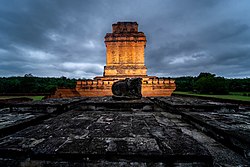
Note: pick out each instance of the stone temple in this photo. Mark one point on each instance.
(124, 59)
(164, 131)
(125, 51)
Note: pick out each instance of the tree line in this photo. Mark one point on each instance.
(206, 83)
(31, 84)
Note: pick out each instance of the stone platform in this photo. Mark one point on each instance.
(102, 132)
(228, 127)
(19, 115)
(92, 137)
(101, 86)
(108, 104)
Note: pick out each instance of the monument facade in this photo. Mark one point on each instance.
(125, 51)
(124, 59)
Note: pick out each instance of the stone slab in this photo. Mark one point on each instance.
(131, 136)
(190, 103)
(230, 128)
(109, 136)
(108, 103)
(12, 122)
(47, 105)
(225, 122)
(16, 116)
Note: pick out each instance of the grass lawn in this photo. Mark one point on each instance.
(35, 98)
(232, 96)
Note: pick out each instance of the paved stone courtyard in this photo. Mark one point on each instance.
(103, 132)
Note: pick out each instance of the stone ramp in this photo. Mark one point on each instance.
(103, 137)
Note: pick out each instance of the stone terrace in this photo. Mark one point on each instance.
(146, 132)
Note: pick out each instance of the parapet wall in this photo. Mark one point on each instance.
(102, 87)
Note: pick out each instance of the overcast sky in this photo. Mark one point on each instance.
(66, 37)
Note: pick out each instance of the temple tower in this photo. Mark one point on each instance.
(124, 59)
(125, 51)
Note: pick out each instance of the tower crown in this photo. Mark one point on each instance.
(125, 27)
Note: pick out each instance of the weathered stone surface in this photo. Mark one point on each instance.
(130, 88)
(13, 121)
(125, 51)
(5, 102)
(109, 104)
(230, 128)
(226, 122)
(112, 136)
(132, 136)
(190, 103)
(16, 116)
(222, 155)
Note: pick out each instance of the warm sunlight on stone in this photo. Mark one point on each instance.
(125, 51)
(124, 59)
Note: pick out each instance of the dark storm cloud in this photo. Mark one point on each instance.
(61, 37)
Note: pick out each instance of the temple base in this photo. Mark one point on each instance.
(101, 86)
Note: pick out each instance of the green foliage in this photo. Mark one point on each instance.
(205, 83)
(210, 84)
(239, 85)
(230, 96)
(185, 83)
(31, 84)
(34, 98)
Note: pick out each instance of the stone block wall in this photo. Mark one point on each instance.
(65, 93)
(125, 50)
(150, 87)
